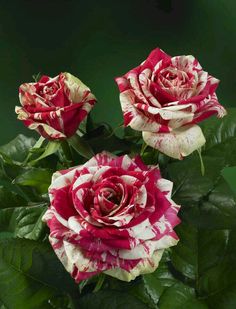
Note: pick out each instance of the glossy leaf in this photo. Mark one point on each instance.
(104, 138)
(10, 199)
(206, 252)
(51, 148)
(107, 299)
(207, 201)
(23, 222)
(38, 178)
(81, 146)
(180, 296)
(17, 149)
(229, 174)
(30, 274)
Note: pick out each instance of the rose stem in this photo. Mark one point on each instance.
(99, 284)
(67, 152)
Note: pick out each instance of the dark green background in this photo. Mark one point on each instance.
(98, 40)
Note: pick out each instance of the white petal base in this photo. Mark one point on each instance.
(146, 266)
(177, 144)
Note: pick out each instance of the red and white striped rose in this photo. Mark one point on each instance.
(165, 97)
(55, 106)
(113, 215)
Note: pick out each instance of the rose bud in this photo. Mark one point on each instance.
(55, 106)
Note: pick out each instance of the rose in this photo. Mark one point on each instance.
(165, 97)
(113, 215)
(55, 106)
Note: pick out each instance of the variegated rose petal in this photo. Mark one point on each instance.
(164, 94)
(55, 107)
(113, 215)
(177, 144)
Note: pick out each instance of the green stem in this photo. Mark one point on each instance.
(156, 155)
(67, 151)
(100, 282)
(38, 144)
(144, 146)
(114, 130)
(201, 162)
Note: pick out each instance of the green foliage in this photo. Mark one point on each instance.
(81, 146)
(107, 299)
(229, 174)
(197, 273)
(180, 296)
(30, 274)
(22, 222)
(206, 253)
(17, 150)
(39, 178)
(102, 137)
(41, 153)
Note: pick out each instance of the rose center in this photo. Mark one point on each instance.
(107, 200)
(174, 77)
(49, 90)
(170, 74)
(114, 198)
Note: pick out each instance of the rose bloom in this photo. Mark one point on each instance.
(165, 97)
(55, 106)
(113, 215)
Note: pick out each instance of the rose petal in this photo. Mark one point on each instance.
(134, 118)
(177, 144)
(126, 239)
(145, 266)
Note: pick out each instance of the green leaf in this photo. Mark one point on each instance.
(60, 302)
(81, 146)
(17, 150)
(220, 132)
(132, 135)
(107, 299)
(36, 150)
(180, 296)
(138, 290)
(7, 173)
(149, 288)
(90, 125)
(10, 199)
(229, 174)
(30, 274)
(23, 222)
(205, 256)
(103, 138)
(50, 149)
(157, 282)
(198, 250)
(207, 201)
(40, 178)
(36, 77)
(218, 284)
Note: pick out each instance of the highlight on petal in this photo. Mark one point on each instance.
(77, 90)
(136, 119)
(179, 143)
(145, 266)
